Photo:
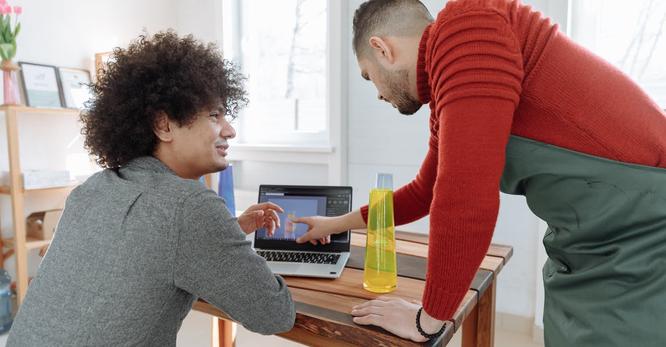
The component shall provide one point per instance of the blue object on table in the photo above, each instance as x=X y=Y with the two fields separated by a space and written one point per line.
x=5 y=302
x=226 y=188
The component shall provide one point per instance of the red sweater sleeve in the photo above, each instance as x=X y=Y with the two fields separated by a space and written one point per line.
x=476 y=74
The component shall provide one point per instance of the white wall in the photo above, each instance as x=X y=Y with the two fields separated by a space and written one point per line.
x=69 y=32
x=201 y=18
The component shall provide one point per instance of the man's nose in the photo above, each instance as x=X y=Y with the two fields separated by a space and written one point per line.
x=228 y=131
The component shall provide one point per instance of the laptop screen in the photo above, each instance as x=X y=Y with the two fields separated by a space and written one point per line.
x=303 y=201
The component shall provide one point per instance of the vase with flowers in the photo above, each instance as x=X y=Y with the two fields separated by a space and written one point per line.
x=8 y=33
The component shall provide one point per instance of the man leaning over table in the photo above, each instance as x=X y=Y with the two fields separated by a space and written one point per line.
x=518 y=107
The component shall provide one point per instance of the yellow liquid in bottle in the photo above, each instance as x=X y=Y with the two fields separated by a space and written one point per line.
x=380 y=271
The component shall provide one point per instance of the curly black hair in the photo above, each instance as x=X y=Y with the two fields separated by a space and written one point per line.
x=162 y=73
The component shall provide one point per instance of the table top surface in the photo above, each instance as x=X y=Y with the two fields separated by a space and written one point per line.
x=323 y=305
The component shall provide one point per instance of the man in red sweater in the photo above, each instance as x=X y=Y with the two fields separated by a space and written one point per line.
x=517 y=107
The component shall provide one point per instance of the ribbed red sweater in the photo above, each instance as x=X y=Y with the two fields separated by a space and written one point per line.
x=491 y=68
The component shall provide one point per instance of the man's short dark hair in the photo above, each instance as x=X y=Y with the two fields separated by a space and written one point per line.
x=162 y=73
x=387 y=18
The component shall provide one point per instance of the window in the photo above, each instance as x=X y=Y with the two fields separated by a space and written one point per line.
x=281 y=46
x=630 y=35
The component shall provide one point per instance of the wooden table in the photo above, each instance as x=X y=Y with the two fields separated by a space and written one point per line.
x=323 y=306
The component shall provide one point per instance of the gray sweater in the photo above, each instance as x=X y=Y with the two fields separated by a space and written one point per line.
x=134 y=248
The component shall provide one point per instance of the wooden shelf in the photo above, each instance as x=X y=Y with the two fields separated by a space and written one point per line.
x=21 y=244
x=26 y=109
x=34 y=243
x=65 y=189
x=30 y=243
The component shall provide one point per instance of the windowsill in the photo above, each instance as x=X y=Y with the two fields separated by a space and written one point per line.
x=282 y=148
x=283 y=153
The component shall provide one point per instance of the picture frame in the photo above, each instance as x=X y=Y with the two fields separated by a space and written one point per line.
x=41 y=85
x=101 y=60
x=74 y=85
x=2 y=93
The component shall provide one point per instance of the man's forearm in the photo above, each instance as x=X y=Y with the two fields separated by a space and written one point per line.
x=351 y=220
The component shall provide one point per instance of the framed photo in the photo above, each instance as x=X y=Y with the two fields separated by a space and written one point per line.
x=40 y=85
x=75 y=90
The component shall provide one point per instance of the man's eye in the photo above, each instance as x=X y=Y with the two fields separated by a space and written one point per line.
x=215 y=115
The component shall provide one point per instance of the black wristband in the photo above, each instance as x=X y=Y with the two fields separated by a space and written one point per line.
x=423 y=333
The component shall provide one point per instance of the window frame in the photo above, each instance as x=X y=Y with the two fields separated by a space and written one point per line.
x=571 y=16
x=329 y=136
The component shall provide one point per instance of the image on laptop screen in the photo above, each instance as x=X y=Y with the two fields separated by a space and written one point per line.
x=294 y=206
x=303 y=201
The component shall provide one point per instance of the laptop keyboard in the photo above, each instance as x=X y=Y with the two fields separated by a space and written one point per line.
x=300 y=257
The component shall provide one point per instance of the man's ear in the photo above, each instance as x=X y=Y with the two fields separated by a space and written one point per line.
x=382 y=50
x=162 y=127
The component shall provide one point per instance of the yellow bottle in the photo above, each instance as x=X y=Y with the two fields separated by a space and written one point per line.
x=380 y=273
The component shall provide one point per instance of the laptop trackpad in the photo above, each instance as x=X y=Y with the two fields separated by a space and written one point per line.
x=305 y=270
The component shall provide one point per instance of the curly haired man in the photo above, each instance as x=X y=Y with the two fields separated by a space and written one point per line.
x=139 y=241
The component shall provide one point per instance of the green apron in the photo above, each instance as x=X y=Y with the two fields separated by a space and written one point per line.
x=605 y=277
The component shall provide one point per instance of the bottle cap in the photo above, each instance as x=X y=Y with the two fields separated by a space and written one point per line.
x=384 y=181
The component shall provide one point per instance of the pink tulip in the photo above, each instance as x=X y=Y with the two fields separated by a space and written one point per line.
x=6 y=9
x=3 y=2
x=17 y=9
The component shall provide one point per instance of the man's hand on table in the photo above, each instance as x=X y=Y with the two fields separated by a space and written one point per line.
x=397 y=316
x=262 y=215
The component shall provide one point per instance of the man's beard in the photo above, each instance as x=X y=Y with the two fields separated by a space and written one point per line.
x=398 y=86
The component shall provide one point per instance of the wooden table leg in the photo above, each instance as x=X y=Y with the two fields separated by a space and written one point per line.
x=225 y=333
x=479 y=327
x=470 y=327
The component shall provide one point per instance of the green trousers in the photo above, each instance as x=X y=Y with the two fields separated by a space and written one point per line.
x=605 y=277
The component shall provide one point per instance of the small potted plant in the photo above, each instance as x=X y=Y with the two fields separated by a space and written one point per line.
x=8 y=33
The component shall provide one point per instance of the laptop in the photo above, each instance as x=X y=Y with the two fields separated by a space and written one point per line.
x=283 y=254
